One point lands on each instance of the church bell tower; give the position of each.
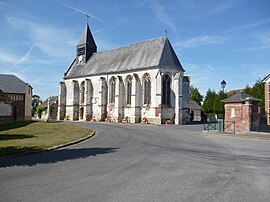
(86, 46)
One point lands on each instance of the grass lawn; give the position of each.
(36, 136)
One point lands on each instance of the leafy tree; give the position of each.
(36, 101)
(218, 104)
(257, 91)
(212, 103)
(195, 95)
(208, 104)
(39, 110)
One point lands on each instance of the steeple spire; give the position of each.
(87, 17)
(86, 46)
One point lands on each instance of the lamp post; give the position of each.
(223, 85)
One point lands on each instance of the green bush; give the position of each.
(39, 110)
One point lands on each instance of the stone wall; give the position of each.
(95, 104)
(5, 113)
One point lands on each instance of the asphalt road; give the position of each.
(142, 163)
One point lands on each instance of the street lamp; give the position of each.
(223, 85)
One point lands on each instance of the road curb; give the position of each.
(71, 143)
(235, 136)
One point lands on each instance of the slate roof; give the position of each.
(145, 54)
(194, 105)
(240, 97)
(266, 78)
(52, 101)
(87, 37)
(12, 84)
(3, 96)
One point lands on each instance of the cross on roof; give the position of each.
(87, 17)
(166, 32)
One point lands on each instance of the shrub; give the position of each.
(39, 110)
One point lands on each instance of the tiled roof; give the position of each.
(146, 54)
(12, 84)
(240, 97)
(232, 92)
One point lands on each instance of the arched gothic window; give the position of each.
(166, 90)
(147, 89)
(82, 91)
(128, 90)
(112, 90)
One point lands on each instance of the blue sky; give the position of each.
(213, 39)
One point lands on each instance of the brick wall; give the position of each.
(240, 113)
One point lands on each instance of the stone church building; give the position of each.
(141, 82)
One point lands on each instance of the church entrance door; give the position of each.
(81, 112)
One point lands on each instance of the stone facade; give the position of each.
(195, 111)
(21, 95)
(5, 108)
(142, 82)
(88, 99)
(50, 108)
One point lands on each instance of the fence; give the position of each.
(229, 126)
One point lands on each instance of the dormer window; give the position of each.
(80, 51)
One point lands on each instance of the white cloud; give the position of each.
(52, 41)
(86, 13)
(8, 58)
(161, 14)
(202, 9)
(25, 57)
(3, 3)
(200, 41)
(264, 38)
(252, 25)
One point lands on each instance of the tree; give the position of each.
(195, 95)
(36, 101)
(257, 91)
(208, 104)
(39, 110)
(212, 103)
(218, 104)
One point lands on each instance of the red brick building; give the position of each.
(239, 109)
(266, 81)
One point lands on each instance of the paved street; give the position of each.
(125, 162)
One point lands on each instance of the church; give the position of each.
(142, 82)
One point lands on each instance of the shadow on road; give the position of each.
(54, 156)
